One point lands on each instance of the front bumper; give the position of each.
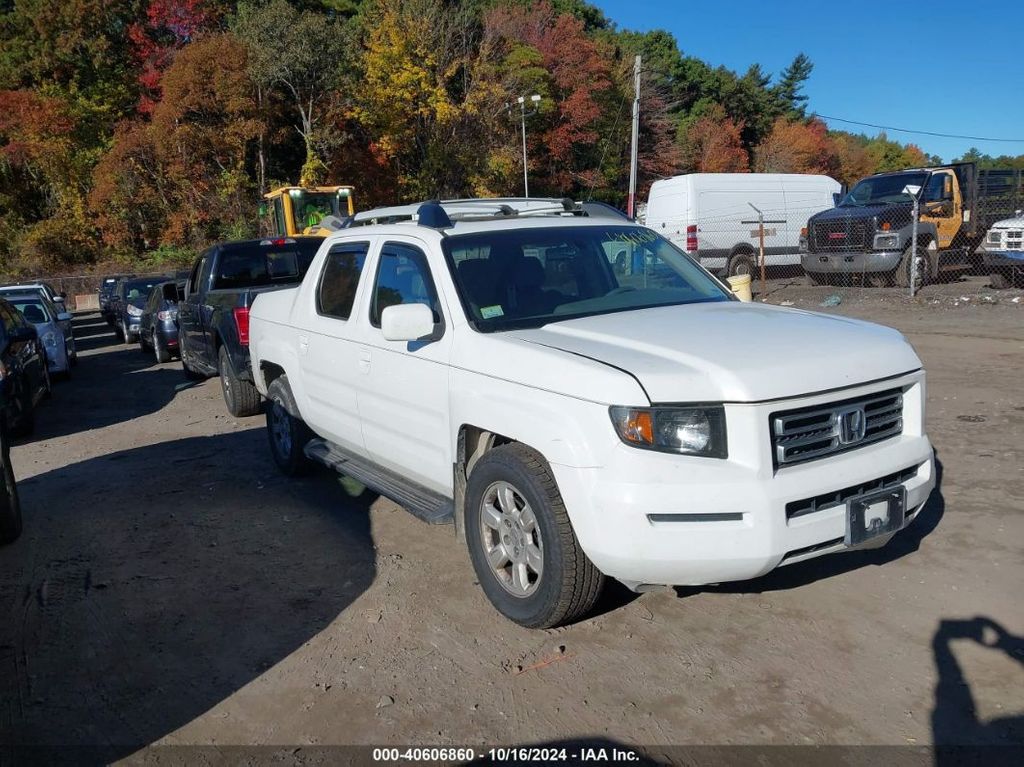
(1003, 258)
(851, 263)
(728, 517)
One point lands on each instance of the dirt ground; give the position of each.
(171, 587)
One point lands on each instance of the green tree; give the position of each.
(792, 102)
(301, 53)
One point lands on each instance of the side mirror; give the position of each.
(407, 322)
(24, 333)
(65, 317)
(59, 299)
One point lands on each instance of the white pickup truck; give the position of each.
(584, 401)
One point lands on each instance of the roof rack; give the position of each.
(442, 214)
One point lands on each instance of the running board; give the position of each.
(425, 504)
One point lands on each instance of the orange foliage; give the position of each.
(713, 145)
(796, 146)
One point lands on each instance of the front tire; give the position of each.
(903, 273)
(1001, 279)
(288, 434)
(521, 542)
(241, 397)
(815, 278)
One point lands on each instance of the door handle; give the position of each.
(303, 344)
(364, 360)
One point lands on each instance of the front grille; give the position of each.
(841, 234)
(823, 430)
(1015, 240)
(840, 497)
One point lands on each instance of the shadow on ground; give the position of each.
(153, 583)
(117, 385)
(955, 719)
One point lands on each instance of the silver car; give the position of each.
(48, 319)
(48, 293)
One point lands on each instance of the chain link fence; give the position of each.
(895, 235)
(81, 291)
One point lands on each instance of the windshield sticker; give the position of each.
(490, 312)
(634, 236)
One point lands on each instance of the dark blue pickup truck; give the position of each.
(213, 319)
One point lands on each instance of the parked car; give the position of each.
(47, 319)
(44, 287)
(64, 318)
(214, 316)
(108, 286)
(158, 326)
(130, 296)
(1003, 251)
(578, 420)
(709, 215)
(24, 375)
(10, 505)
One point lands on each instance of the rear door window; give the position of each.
(343, 266)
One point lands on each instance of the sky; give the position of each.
(939, 66)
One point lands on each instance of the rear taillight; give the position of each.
(691, 238)
(242, 322)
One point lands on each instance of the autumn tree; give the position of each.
(796, 146)
(186, 170)
(565, 136)
(713, 144)
(168, 25)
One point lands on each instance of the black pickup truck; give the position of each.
(213, 319)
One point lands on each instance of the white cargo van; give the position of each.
(709, 215)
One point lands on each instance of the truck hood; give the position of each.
(892, 212)
(732, 352)
(1009, 223)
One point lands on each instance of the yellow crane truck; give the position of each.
(290, 211)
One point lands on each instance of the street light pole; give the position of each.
(535, 99)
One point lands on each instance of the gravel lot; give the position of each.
(172, 587)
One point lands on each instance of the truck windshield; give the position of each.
(880, 190)
(523, 278)
(309, 208)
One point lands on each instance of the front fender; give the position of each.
(565, 430)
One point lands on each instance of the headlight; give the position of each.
(134, 311)
(887, 242)
(687, 430)
(50, 339)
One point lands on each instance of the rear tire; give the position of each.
(515, 518)
(241, 397)
(159, 351)
(742, 263)
(287, 433)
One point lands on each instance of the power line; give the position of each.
(924, 132)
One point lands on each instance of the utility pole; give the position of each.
(523, 114)
(635, 142)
